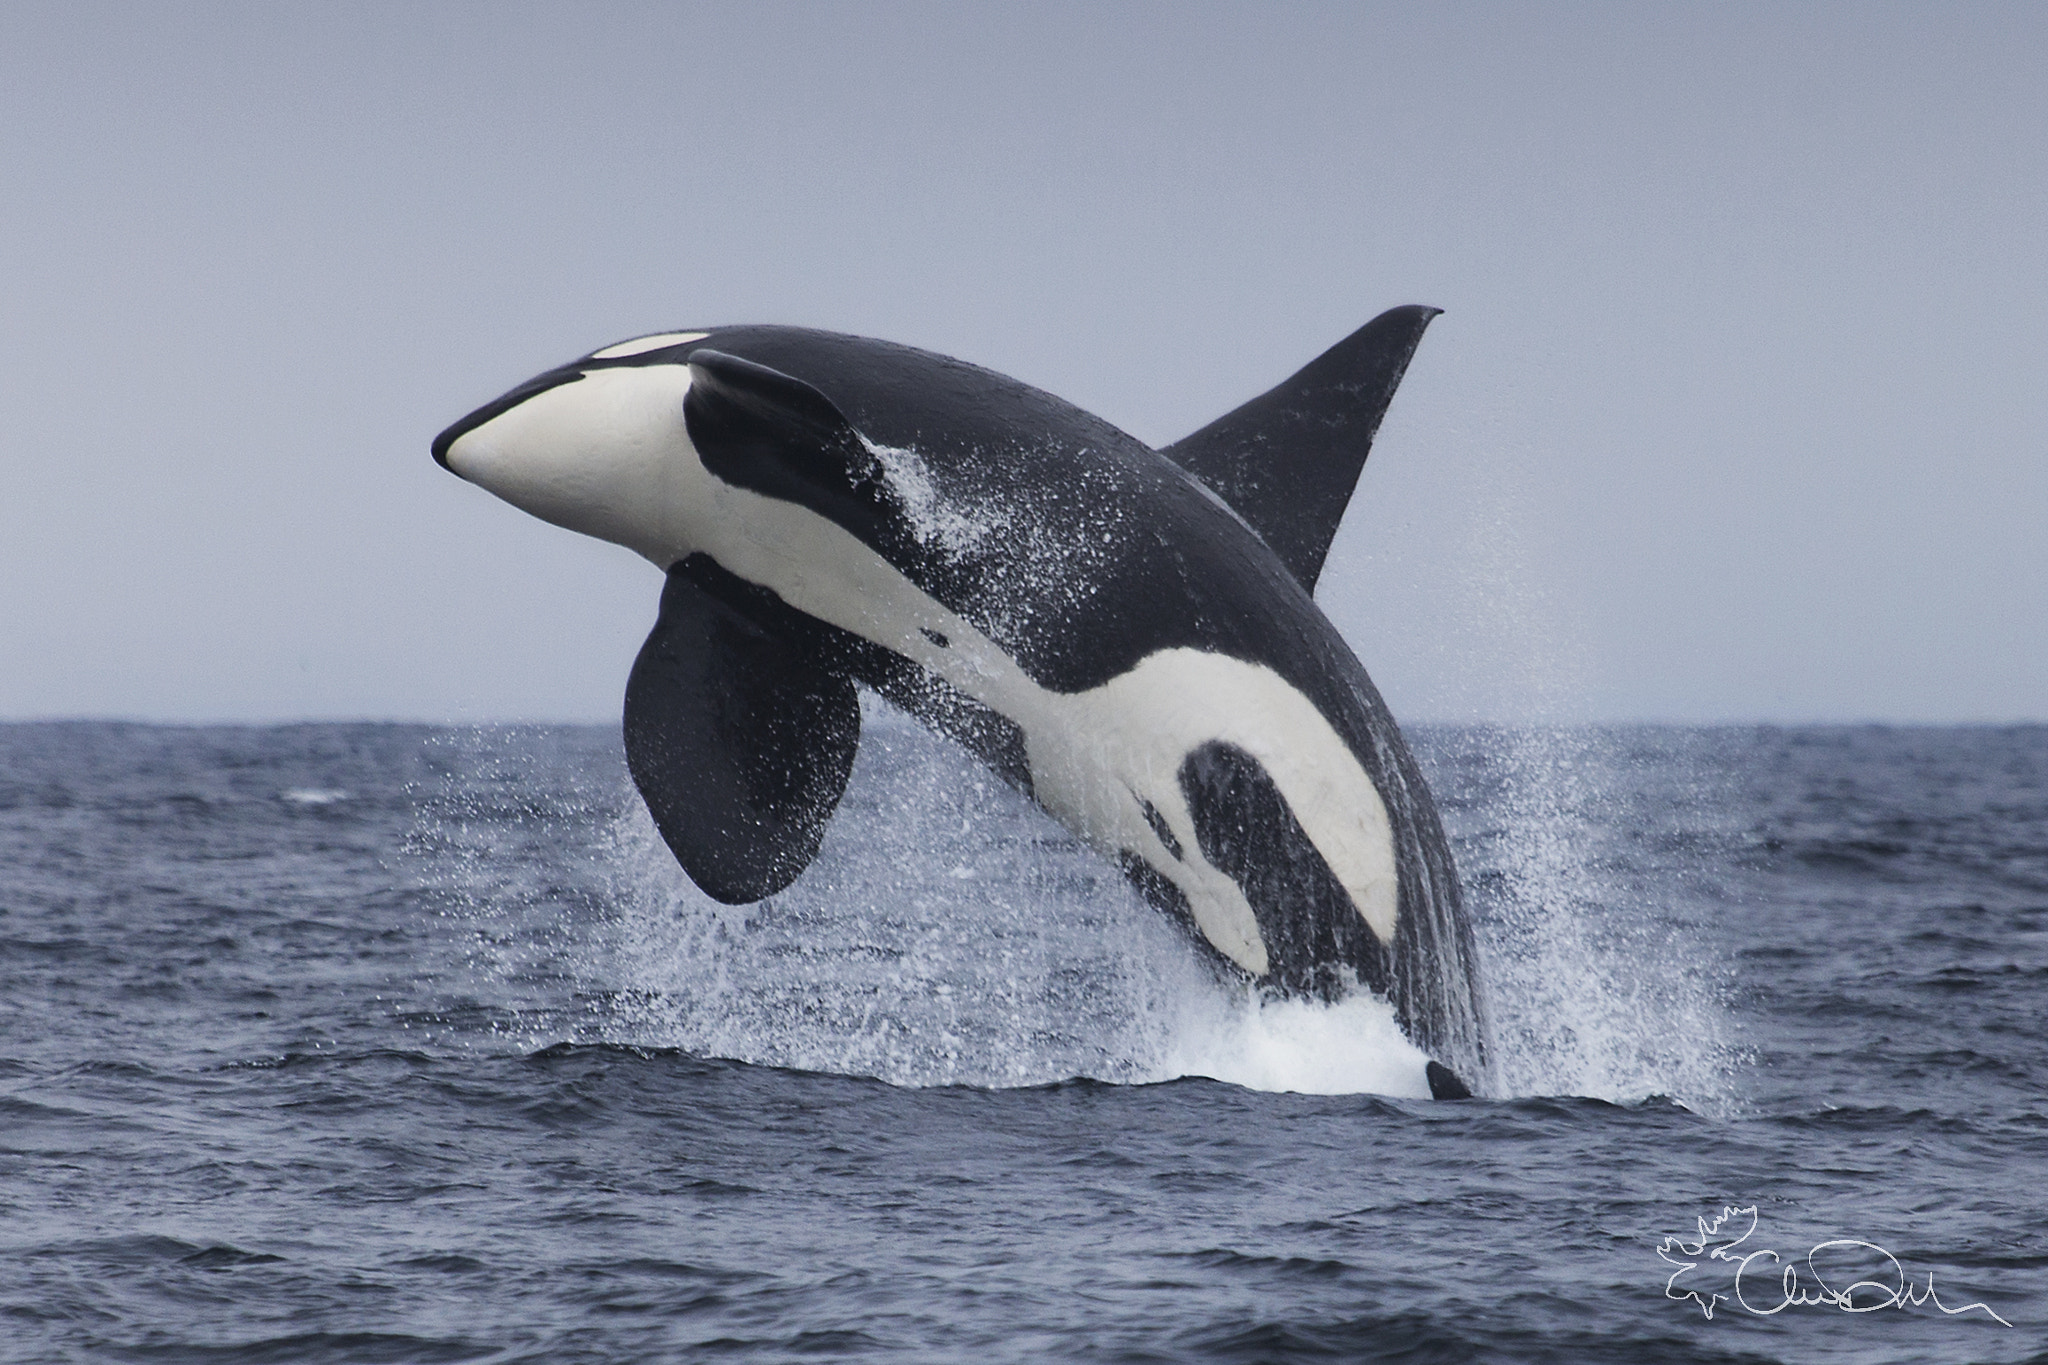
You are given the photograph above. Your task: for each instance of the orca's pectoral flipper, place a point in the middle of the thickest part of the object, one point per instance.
(740, 744)
(1288, 460)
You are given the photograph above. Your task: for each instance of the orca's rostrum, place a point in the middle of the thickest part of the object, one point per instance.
(1126, 635)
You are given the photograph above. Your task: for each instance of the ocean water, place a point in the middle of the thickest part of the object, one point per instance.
(393, 1043)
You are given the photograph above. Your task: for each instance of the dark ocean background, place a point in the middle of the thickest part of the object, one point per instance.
(393, 1043)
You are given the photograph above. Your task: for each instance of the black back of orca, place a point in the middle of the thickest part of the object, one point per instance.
(1085, 552)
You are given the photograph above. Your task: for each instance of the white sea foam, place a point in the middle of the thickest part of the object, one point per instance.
(1349, 1048)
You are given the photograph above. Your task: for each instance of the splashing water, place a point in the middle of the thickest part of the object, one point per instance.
(936, 521)
(951, 933)
(1598, 983)
(1582, 850)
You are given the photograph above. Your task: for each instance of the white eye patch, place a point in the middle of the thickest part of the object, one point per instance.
(641, 345)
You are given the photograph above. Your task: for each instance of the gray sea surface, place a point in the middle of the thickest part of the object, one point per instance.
(387, 1043)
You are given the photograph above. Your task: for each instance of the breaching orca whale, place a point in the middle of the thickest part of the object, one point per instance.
(1126, 635)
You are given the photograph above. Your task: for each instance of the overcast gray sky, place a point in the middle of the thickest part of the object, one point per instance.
(1739, 409)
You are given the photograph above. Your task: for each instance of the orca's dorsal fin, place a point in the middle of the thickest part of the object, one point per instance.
(1288, 461)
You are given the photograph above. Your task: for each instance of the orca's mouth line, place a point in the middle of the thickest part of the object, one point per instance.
(498, 407)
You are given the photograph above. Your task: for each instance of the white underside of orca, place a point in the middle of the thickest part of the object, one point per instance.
(616, 441)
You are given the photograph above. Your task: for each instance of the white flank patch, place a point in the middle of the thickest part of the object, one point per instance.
(641, 345)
